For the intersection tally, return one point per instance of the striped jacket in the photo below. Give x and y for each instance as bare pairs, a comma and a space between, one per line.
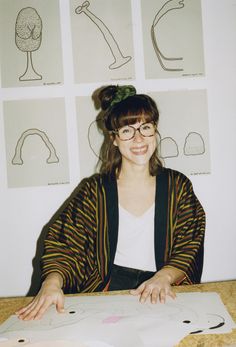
81, 241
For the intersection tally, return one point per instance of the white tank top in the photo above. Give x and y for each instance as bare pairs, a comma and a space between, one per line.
135, 246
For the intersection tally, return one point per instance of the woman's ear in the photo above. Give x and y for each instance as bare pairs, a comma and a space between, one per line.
113, 139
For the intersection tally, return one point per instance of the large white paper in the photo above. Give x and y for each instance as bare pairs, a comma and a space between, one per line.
120, 321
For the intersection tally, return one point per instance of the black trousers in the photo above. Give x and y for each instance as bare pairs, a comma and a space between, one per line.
127, 278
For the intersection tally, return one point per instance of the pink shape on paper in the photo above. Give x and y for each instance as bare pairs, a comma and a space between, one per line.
111, 319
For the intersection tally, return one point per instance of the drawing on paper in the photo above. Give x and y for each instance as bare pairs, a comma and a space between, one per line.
86, 321
168, 148
119, 58
17, 159
194, 144
94, 140
14, 342
28, 37
168, 6
215, 321
131, 313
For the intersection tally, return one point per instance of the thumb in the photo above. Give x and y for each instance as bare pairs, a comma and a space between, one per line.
60, 305
138, 290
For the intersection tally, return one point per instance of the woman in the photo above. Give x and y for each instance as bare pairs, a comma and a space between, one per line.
135, 225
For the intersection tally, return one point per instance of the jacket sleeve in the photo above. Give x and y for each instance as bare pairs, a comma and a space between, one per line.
187, 246
68, 247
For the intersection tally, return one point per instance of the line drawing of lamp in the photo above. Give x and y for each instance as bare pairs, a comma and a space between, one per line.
119, 58
168, 6
28, 37
17, 159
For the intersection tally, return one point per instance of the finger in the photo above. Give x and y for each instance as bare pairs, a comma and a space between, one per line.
60, 304
26, 310
155, 296
172, 294
135, 291
162, 296
145, 294
40, 312
23, 309
33, 310
29, 314
138, 290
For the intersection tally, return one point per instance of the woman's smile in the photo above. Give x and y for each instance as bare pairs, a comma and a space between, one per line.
139, 150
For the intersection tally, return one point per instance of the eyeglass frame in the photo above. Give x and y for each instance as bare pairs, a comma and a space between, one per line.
116, 132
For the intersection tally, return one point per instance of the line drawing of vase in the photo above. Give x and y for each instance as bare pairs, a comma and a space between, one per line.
17, 159
168, 6
119, 58
28, 38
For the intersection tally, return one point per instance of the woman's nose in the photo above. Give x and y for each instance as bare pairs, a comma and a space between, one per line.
137, 136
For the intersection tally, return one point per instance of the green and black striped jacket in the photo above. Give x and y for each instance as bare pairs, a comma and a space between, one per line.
81, 240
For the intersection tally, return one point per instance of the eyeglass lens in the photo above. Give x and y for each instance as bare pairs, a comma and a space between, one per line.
128, 132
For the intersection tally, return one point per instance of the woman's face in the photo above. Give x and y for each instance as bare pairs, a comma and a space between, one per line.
139, 149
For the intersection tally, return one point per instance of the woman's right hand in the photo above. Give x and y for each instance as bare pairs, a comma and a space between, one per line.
50, 293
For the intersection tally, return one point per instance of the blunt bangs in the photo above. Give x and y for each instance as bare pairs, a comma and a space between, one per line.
137, 108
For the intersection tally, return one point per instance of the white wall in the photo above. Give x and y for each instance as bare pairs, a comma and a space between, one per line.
24, 211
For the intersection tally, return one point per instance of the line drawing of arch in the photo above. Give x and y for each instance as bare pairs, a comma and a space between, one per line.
17, 159
194, 144
94, 126
119, 58
28, 38
168, 6
168, 148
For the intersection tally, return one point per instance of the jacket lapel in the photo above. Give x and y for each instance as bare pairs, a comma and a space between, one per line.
161, 217
110, 186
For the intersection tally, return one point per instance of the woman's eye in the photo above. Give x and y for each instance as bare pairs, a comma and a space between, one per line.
146, 127
125, 131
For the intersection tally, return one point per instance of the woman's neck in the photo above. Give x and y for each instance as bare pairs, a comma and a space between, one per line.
136, 190
132, 174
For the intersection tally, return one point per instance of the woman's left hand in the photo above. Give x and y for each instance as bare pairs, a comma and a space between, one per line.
156, 288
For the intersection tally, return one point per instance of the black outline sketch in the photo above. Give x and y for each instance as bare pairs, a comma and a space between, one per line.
89, 137
28, 37
178, 4
17, 159
102, 313
189, 151
119, 58
174, 145
217, 326
22, 341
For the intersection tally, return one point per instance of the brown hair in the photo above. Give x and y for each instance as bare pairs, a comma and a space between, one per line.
121, 106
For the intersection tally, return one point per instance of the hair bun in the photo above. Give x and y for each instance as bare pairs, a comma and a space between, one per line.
111, 95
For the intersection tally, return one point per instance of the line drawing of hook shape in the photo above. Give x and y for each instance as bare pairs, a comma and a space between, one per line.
119, 58
168, 6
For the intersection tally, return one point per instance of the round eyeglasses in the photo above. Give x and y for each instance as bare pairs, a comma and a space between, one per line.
128, 132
